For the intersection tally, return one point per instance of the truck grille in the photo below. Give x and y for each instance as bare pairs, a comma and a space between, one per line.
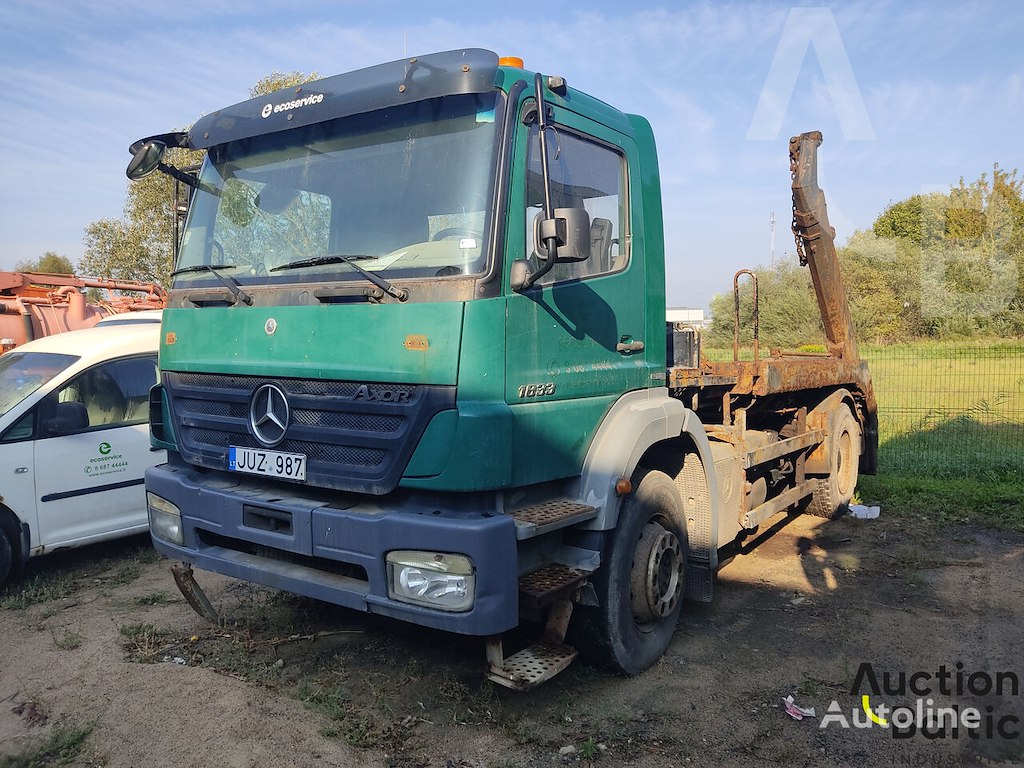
356, 436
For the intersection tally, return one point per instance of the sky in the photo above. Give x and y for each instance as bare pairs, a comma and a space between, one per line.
910, 97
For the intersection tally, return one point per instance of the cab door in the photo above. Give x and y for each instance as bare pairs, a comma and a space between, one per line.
91, 454
575, 341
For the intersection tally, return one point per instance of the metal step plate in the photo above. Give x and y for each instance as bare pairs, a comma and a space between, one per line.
532, 666
549, 516
550, 583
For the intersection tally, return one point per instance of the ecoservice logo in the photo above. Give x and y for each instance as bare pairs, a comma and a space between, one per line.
287, 106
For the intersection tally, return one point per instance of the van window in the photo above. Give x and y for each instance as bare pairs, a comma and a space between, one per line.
109, 395
22, 373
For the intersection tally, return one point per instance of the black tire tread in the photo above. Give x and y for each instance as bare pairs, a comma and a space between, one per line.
593, 630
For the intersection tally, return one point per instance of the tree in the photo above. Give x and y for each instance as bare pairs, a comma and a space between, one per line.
881, 276
787, 310
49, 263
934, 265
140, 244
969, 275
277, 81
902, 220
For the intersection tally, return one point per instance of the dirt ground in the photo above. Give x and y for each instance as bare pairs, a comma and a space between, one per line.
97, 647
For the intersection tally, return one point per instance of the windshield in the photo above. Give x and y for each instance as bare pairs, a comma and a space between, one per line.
403, 192
22, 373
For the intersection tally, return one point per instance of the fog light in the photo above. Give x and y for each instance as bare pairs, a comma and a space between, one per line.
434, 579
164, 519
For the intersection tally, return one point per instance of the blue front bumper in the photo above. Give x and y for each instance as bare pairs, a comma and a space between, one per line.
333, 548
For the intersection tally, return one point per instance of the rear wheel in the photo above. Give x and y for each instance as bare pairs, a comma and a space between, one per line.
832, 494
641, 582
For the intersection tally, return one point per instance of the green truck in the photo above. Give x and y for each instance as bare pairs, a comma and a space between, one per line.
415, 362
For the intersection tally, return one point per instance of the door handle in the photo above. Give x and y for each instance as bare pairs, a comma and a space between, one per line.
628, 348
20, 470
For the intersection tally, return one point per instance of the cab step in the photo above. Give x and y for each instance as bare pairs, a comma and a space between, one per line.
538, 519
529, 667
550, 583
555, 587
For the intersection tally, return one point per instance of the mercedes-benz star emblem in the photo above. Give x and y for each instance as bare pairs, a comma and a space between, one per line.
268, 414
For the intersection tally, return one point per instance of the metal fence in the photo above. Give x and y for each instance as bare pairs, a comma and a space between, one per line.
950, 411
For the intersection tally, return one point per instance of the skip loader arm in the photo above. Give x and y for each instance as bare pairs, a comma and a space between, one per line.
815, 245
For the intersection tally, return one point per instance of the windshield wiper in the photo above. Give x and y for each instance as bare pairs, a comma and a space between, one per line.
229, 283
399, 293
201, 268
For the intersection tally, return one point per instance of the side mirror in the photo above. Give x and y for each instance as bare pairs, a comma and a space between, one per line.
69, 417
570, 228
145, 160
519, 275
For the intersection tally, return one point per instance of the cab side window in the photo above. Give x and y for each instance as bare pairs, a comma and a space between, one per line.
113, 394
588, 175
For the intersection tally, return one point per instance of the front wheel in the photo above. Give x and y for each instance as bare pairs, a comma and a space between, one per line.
640, 583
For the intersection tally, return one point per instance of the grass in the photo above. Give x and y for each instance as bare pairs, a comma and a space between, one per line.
38, 588
153, 598
66, 640
61, 575
951, 429
63, 745
143, 642
996, 503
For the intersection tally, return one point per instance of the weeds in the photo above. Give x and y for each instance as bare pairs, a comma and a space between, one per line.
63, 745
61, 575
67, 640
142, 642
153, 598
589, 749
123, 574
40, 588
347, 723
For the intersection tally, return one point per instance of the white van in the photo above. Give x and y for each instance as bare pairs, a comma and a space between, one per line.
74, 439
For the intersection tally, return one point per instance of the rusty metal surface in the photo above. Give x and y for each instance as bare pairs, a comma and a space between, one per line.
774, 375
193, 593
543, 518
550, 583
33, 304
815, 244
531, 666
757, 314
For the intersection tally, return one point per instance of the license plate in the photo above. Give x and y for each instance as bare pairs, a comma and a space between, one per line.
291, 466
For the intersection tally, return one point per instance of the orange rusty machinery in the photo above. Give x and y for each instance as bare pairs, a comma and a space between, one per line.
33, 305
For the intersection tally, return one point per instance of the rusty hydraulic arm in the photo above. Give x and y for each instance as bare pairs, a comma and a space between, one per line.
815, 245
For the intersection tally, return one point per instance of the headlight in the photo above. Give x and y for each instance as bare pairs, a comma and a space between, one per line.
164, 519
434, 579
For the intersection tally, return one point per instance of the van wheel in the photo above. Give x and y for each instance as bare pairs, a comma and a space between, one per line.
6, 555
640, 583
832, 495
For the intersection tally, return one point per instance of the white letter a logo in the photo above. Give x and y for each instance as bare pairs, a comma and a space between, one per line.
807, 27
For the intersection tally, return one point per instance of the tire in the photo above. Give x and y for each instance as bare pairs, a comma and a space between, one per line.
6, 556
832, 494
641, 581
